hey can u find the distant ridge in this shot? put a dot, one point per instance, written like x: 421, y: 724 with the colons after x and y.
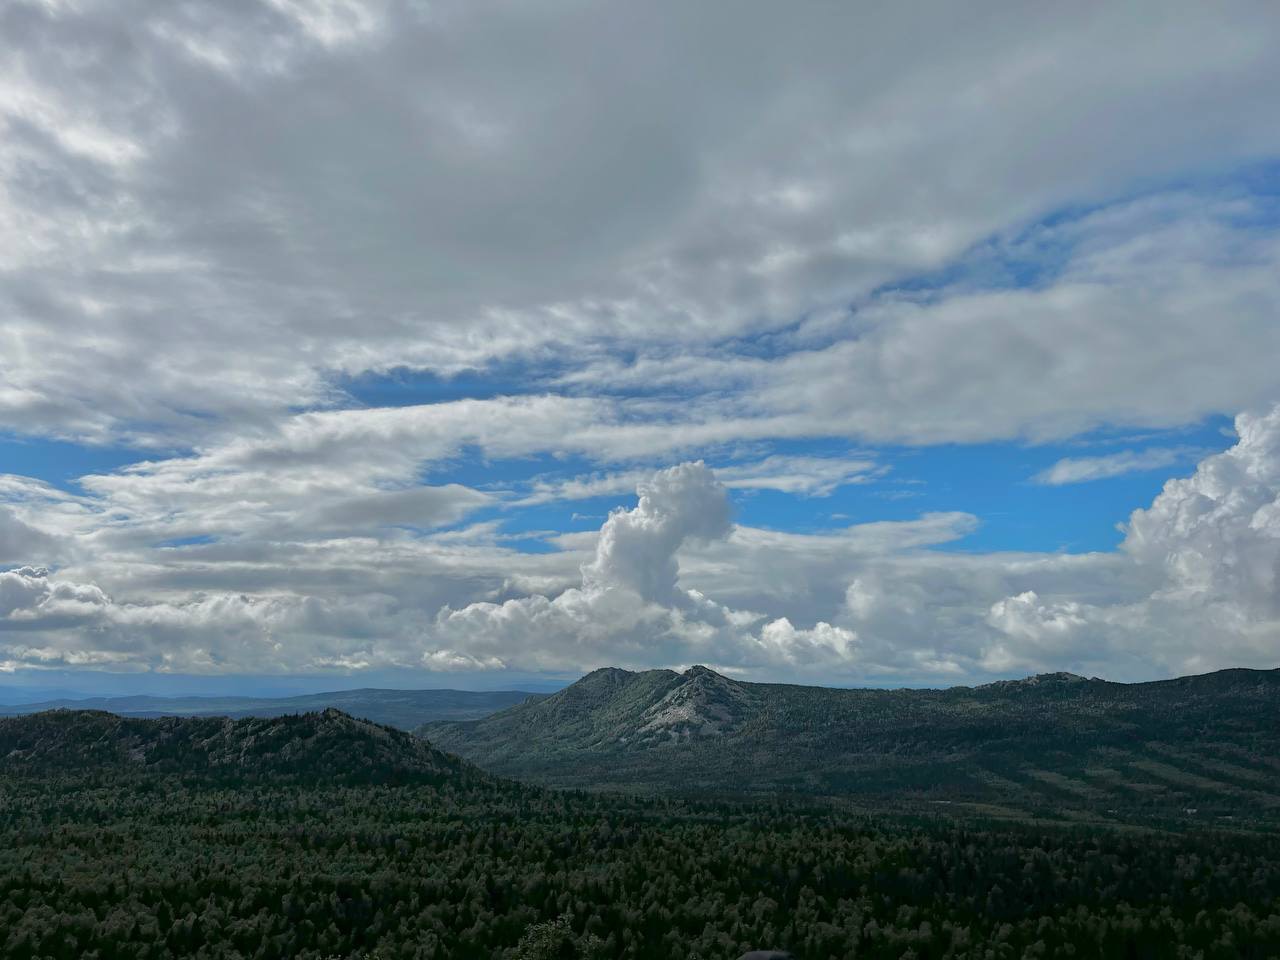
x: 1040, y: 679
x: 406, y: 709
x: 1208, y: 743
x: 328, y: 746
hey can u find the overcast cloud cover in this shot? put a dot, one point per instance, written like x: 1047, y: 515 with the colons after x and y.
x: 412, y: 340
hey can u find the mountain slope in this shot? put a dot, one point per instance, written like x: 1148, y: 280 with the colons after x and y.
x: 328, y: 747
x: 1209, y: 743
x: 405, y: 709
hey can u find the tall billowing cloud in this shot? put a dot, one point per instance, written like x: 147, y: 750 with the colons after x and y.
x: 637, y: 548
x: 628, y: 601
x: 1216, y: 534
x: 630, y: 607
x: 1200, y: 569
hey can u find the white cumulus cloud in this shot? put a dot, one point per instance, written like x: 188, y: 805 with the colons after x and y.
x: 674, y: 580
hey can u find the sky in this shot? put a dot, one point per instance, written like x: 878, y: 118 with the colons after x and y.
x: 478, y: 345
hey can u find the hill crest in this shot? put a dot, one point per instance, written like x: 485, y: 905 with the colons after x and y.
x: 328, y: 745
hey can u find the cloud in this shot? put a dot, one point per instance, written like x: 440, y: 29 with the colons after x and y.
x: 822, y: 642
x: 421, y: 507
x: 630, y: 607
x: 637, y: 548
x: 29, y: 596
x: 1203, y: 561
x: 628, y: 596
x: 804, y: 577
x: 673, y: 580
x: 49, y: 621
x: 801, y: 476
x: 1084, y: 469
x: 1034, y: 632
x: 257, y: 204
x: 20, y: 543
x: 1216, y: 535
x: 22, y: 588
x: 1179, y: 320
x: 222, y: 223
x: 797, y: 475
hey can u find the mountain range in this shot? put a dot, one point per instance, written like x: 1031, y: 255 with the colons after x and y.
x: 1054, y: 746
x: 1058, y: 745
x: 405, y: 709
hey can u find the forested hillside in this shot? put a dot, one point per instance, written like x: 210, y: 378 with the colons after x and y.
x: 1200, y: 749
x: 305, y: 837
x: 324, y: 747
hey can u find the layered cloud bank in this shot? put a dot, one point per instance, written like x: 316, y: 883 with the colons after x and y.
x: 251, y: 205
x: 317, y: 315
x: 1194, y: 586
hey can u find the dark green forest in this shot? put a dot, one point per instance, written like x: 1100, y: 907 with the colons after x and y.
x: 256, y: 839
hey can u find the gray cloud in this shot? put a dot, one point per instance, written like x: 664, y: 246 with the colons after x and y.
x: 696, y: 229
x: 798, y: 475
x: 242, y: 203
x: 22, y: 544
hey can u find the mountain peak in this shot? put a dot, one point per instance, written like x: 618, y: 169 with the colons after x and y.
x: 605, y: 673
x: 1050, y: 679
x: 698, y: 670
x: 1061, y: 679
x: 699, y: 673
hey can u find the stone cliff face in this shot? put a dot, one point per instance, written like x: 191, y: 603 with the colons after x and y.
x: 703, y: 704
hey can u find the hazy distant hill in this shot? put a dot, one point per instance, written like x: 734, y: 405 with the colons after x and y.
x: 1202, y: 747
x: 405, y: 709
x: 10, y: 696
x: 328, y: 747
